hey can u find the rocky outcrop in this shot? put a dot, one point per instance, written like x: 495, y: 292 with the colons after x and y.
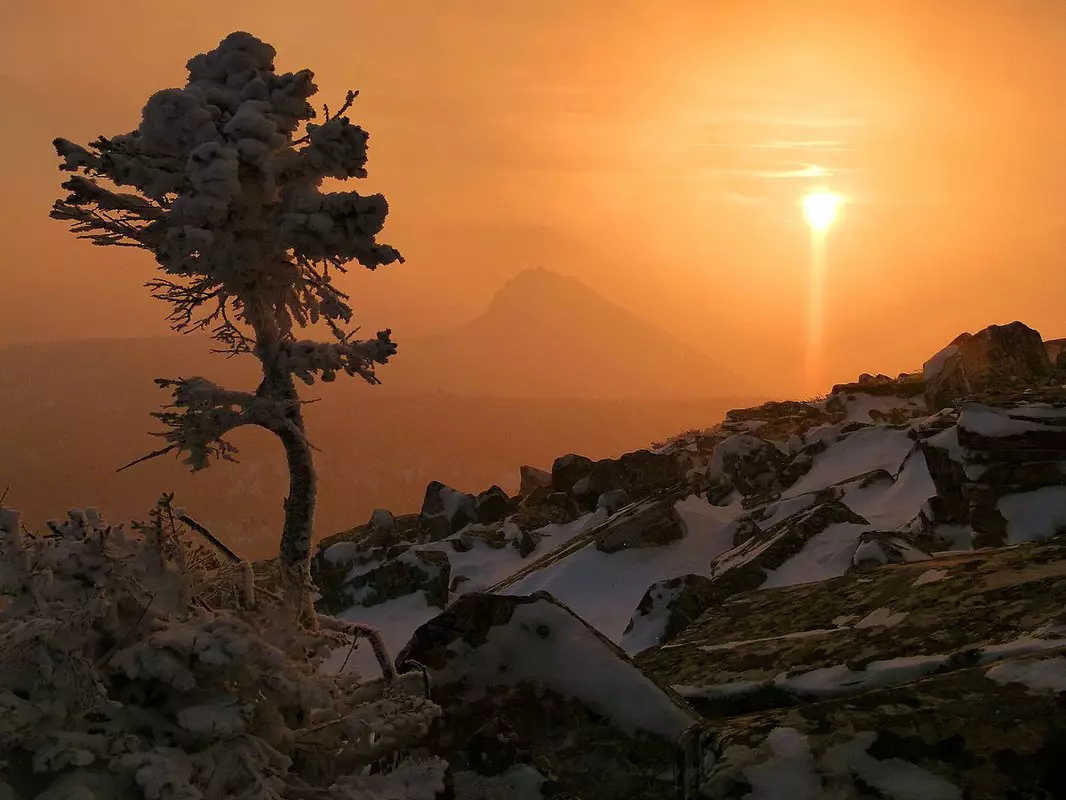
x: 666, y: 609
x: 427, y: 571
x: 651, y: 523
x: 568, y: 470
x: 886, y: 679
x: 990, y: 455
x: 745, y: 567
x: 445, y: 511
x: 493, y: 505
x: 532, y: 478
x: 752, y: 466
x: 563, y: 699
x: 998, y: 357
x: 613, y: 500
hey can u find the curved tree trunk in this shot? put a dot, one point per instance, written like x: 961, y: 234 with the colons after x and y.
x: 295, y: 550
x: 295, y: 547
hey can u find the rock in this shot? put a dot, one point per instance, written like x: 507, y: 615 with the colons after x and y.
x: 492, y: 535
x: 906, y: 385
x: 650, y: 523
x: 776, y: 420
x: 427, y: 571
x: 752, y: 465
x: 943, y: 457
x: 998, y: 356
x: 568, y: 470
x: 445, y: 511
x: 493, y: 504
x: 886, y: 673
x: 524, y: 541
x: 382, y: 518
x: 613, y: 500
x: 877, y: 548
x: 643, y: 473
x: 745, y: 567
x: 992, y: 453
x: 533, y: 478
x: 544, y: 507
x: 557, y: 692
x: 666, y: 609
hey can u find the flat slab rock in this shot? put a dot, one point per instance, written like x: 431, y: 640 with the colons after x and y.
x: 948, y: 675
x: 570, y: 700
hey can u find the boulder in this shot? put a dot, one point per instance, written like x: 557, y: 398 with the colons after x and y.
x: 997, y: 357
x: 493, y: 504
x: 752, y: 465
x: 544, y: 507
x: 613, y: 500
x: 445, y: 511
x: 568, y: 470
x: 533, y: 478
x: 650, y: 523
x: 553, y: 692
x: 666, y: 609
x: 383, y: 519
x: 412, y: 571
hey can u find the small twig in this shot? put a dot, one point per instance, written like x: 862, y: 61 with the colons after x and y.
x: 4, y: 495
x: 154, y: 454
x: 200, y: 529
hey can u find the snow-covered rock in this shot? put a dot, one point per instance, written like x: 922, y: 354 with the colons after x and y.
x: 651, y: 523
x: 995, y: 357
x: 562, y: 691
x: 667, y: 608
x: 445, y: 511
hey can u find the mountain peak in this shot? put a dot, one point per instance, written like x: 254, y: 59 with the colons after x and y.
x: 539, y: 287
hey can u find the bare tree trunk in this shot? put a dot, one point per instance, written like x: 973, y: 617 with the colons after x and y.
x: 295, y: 547
x: 295, y: 550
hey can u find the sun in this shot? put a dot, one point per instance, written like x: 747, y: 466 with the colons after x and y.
x: 820, y: 207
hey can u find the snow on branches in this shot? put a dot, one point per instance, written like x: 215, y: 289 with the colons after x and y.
x: 222, y: 183
x: 226, y: 193
x: 118, y: 680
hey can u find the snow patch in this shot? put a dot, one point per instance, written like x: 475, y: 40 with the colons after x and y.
x: 1035, y: 515
x: 857, y: 453
x: 826, y: 555
x: 895, y: 778
x: 881, y: 618
x: 1046, y: 675
x: 930, y: 576
x: 789, y: 772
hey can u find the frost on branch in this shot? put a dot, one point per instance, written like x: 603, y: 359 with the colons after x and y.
x: 136, y: 665
x: 227, y: 195
x: 222, y: 183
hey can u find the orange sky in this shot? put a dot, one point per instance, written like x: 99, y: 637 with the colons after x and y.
x: 644, y: 147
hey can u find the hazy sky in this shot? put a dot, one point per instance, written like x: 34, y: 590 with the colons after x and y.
x: 655, y: 150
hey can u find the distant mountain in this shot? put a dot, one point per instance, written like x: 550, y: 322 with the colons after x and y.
x: 546, y: 335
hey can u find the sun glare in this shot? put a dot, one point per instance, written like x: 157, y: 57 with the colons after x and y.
x: 820, y: 207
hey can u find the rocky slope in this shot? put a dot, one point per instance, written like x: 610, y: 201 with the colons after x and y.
x: 859, y: 596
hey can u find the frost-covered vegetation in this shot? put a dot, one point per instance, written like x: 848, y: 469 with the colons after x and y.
x: 140, y: 664
x: 222, y: 183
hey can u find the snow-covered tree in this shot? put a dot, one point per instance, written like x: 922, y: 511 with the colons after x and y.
x: 222, y: 183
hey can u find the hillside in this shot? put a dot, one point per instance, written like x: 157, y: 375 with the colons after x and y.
x: 546, y: 335
x: 813, y: 578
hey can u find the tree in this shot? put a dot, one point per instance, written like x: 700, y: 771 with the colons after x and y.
x: 222, y: 183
